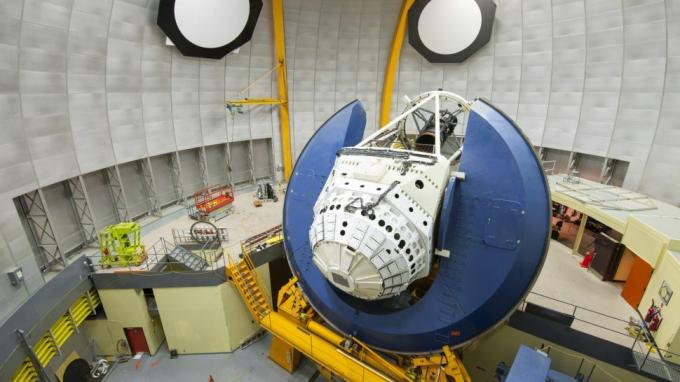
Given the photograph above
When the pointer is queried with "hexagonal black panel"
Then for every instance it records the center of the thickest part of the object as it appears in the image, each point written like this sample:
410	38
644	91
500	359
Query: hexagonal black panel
167	22
488	13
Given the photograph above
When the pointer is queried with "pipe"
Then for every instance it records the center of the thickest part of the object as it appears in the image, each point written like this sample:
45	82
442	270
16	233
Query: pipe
280	52
393	62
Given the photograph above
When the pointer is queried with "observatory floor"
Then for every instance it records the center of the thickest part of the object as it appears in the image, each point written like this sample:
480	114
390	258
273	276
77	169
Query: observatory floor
249	364
561	279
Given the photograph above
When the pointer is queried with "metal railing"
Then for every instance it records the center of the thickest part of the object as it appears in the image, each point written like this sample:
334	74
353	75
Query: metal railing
262	240
652	359
549	166
585	320
648	356
159	258
208	236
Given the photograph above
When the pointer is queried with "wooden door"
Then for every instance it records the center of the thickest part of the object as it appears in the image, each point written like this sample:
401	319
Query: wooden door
638	278
137	340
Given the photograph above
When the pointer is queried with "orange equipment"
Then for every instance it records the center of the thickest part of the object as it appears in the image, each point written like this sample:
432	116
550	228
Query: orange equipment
213	198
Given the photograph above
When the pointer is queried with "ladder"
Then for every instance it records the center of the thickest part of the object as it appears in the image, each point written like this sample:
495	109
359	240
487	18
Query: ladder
245	280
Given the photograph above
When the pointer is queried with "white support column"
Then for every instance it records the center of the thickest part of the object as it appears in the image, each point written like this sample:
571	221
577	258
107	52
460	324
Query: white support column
80	201
607	170
176	166
118	193
150	186
251	162
272	160
202	165
38	216
227	164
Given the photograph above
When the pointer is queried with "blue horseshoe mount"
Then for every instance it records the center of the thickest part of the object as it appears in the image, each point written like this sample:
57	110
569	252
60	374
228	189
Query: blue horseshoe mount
495	225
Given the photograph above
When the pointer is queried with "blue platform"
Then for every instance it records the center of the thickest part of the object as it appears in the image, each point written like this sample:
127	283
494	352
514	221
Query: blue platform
528	366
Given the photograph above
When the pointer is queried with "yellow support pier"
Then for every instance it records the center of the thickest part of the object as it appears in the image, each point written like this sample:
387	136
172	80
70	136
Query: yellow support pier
298	331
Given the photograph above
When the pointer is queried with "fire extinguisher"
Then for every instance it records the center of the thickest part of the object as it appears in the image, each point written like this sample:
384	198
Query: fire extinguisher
656	322
653	317
587	258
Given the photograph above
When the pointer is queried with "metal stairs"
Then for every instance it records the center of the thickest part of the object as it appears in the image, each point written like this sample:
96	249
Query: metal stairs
188	258
659	368
244	279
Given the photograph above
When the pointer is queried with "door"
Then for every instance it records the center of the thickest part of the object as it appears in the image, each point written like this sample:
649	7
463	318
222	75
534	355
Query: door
137	340
279	275
638	278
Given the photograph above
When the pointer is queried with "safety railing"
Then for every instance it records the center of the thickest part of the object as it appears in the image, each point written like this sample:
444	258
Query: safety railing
575	365
633	334
602	325
652	359
549	166
200	236
262	240
163	256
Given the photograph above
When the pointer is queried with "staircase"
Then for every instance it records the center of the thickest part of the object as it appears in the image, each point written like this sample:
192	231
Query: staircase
188	258
244	279
659	368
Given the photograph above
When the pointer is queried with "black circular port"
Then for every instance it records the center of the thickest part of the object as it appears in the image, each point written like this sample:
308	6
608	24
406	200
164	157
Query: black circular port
388	251
388	228
408	250
425	222
410	258
397	236
402	243
396	196
371	216
332	208
342	233
361	186
410	209
337	206
344	224
419	184
363	213
381	222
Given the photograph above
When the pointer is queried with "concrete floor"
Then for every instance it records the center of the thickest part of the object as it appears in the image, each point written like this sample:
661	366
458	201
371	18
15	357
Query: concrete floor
246	365
561	278
246	221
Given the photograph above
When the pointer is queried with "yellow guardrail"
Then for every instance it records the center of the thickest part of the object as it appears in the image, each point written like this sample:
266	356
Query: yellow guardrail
50	343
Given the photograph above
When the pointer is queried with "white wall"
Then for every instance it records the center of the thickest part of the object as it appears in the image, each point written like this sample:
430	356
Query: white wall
88	84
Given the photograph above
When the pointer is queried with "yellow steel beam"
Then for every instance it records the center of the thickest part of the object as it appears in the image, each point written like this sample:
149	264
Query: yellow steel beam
393	62
297	335
321	351
254	101
280	52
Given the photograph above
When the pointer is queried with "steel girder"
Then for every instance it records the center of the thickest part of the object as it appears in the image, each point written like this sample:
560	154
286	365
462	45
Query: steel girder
37	214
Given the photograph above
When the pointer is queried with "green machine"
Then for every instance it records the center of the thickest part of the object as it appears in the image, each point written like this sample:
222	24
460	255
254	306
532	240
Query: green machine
120	245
